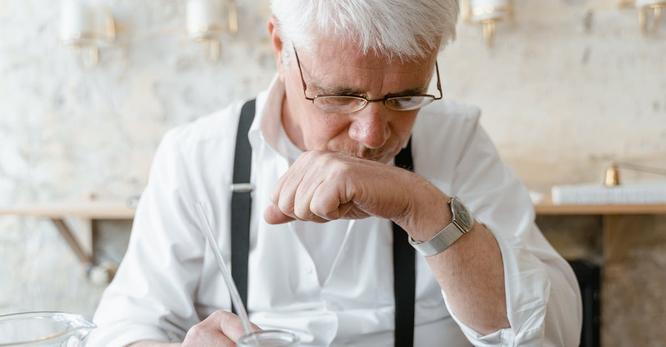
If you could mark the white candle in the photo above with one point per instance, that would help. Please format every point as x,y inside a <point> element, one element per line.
<point>204,18</point>
<point>489,9</point>
<point>76,22</point>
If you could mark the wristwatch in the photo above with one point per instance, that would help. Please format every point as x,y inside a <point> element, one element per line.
<point>461,222</point>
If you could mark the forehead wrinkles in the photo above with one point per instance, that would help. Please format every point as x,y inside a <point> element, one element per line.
<point>347,78</point>
<point>329,54</point>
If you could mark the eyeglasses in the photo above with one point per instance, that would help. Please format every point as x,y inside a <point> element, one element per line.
<point>336,103</point>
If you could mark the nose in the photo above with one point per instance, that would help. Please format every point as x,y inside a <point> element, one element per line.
<point>369,127</point>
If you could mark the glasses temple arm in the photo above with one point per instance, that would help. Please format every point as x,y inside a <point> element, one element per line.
<point>298,62</point>
<point>439,83</point>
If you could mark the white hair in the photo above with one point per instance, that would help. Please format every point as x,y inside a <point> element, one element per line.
<point>406,29</point>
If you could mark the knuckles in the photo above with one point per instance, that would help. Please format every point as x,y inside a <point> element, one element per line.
<point>330,161</point>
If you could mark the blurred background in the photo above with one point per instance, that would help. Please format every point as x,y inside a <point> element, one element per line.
<point>566,87</point>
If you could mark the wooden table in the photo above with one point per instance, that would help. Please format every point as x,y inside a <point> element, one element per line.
<point>613,216</point>
<point>622,230</point>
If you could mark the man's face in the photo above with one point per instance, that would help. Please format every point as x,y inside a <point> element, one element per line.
<point>374,133</point>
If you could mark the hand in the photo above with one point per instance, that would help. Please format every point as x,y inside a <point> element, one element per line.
<point>220,329</point>
<point>324,186</point>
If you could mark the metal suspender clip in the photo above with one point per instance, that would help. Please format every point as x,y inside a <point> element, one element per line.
<point>242,187</point>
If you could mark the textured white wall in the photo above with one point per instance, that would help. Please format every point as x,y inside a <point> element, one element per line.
<point>67,131</point>
<point>568,87</point>
<point>558,99</point>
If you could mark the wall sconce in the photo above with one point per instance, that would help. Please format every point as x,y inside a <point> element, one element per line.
<point>487,13</point>
<point>205,23</point>
<point>649,14</point>
<point>86,27</point>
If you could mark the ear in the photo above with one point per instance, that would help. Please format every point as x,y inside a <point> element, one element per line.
<point>276,44</point>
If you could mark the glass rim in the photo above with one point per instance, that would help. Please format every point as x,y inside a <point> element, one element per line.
<point>56,316</point>
<point>248,338</point>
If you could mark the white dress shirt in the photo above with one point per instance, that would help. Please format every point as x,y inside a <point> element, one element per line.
<point>332,283</point>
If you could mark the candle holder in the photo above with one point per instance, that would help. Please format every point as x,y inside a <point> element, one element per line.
<point>649,14</point>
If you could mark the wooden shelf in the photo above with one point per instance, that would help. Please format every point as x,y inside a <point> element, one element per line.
<point>90,211</point>
<point>548,208</point>
<point>85,210</point>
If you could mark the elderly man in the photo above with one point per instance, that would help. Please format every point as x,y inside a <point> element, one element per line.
<point>359,209</point>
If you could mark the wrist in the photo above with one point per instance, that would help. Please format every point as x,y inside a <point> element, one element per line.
<point>427,210</point>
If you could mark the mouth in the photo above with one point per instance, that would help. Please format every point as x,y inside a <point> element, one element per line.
<point>367,154</point>
<point>383,154</point>
<point>380,155</point>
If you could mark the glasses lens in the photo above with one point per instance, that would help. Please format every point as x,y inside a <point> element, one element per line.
<point>339,104</point>
<point>408,103</point>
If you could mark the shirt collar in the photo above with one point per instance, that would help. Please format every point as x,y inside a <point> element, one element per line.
<point>267,125</point>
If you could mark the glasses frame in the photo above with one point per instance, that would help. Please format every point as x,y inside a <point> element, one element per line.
<point>365,100</point>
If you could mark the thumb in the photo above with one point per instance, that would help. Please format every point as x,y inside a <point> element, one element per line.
<point>231,326</point>
<point>273,215</point>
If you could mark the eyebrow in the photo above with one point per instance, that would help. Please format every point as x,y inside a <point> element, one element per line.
<point>342,90</point>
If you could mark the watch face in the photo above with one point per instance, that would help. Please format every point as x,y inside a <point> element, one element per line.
<point>461,215</point>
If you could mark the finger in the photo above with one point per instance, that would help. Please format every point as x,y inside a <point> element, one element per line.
<point>287,195</point>
<point>302,200</point>
<point>232,327</point>
<point>351,211</point>
<point>295,167</point>
<point>273,215</point>
<point>275,197</point>
<point>326,202</point>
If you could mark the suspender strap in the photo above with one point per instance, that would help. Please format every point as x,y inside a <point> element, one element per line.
<point>404,270</point>
<point>404,256</point>
<point>241,202</point>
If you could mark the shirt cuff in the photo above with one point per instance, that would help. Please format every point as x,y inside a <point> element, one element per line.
<point>532,336</point>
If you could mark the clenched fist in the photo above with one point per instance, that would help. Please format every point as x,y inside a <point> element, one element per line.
<point>324,186</point>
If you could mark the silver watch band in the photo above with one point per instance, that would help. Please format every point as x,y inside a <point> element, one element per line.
<point>461,222</point>
<point>439,243</point>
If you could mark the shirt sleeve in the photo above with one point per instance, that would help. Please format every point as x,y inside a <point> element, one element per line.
<point>151,296</point>
<point>542,296</point>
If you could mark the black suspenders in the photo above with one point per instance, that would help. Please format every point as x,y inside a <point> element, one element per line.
<point>241,202</point>
<point>404,258</point>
